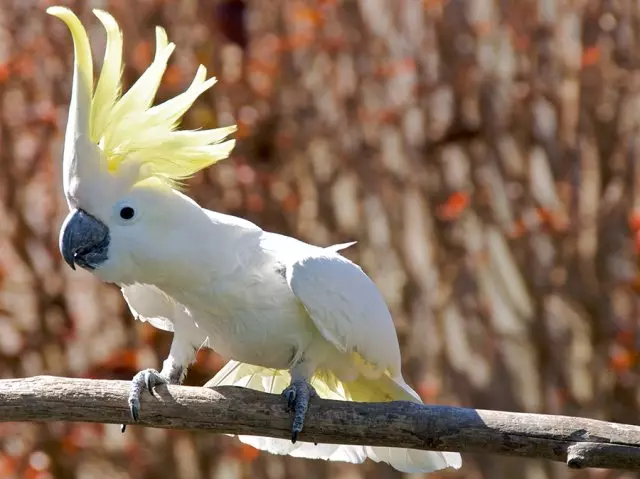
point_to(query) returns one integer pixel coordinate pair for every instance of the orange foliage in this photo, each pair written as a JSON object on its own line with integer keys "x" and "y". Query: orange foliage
{"x": 172, "y": 77}
{"x": 555, "y": 221}
{"x": 387, "y": 115}
{"x": 69, "y": 444}
{"x": 210, "y": 361}
{"x": 636, "y": 238}
{"x": 429, "y": 4}
{"x": 4, "y": 73}
{"x": 622, "y": 360}
{"x": 290, "y": 202}
{"x": 521, "y": 41}
{"x": 32, "y": 473}
{"x": 634, "y": 220}
{"x": 122, "y": 359}
{"x": 304, "y": 14}
{"x": 634, "y": 282}
{"x": 142, "y": 55}
{"x": 590, "y": 56}
{"x": 243, "y": 129}
{"x": 23, "y": 65}
{"x": 148, "y": 333}
{"x": 297, "y": 41}
{"x": 127, "y": 358}
{"x": 8, "y": 465}
{"x": 453, "y": 207}
{"x": 245, "y": 453}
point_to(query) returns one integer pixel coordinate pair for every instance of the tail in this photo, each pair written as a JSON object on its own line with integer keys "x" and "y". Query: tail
{"x": 329, "y": 387}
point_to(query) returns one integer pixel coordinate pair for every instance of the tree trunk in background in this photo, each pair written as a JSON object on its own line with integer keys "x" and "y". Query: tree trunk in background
{"x": 484, "y": 154}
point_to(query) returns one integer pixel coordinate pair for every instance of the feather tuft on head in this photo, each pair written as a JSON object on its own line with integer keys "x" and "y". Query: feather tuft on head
{"x": 137, "y": 141}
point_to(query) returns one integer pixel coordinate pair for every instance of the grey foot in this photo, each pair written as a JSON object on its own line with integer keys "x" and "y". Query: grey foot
{"x": 297, "y": 395}
{"x": 144, "y": 380}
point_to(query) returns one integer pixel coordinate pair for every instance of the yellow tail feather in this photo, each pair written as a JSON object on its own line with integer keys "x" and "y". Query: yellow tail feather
{"x": 328, "y": 386}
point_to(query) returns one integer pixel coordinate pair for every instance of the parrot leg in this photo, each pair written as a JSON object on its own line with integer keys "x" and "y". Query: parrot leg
{"x": 298, "y": 395}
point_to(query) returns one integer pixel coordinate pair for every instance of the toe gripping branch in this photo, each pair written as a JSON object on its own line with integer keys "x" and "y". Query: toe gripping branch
{"x": 298, "y": 395}
{"x": 147, "y": 380}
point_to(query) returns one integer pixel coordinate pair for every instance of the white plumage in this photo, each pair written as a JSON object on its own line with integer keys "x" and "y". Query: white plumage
{"x": 287, "y": 315}
{"x": 289, "y": 304}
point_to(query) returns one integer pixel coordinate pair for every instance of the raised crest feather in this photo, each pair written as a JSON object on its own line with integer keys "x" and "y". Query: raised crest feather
{"x": 133, "y": 135}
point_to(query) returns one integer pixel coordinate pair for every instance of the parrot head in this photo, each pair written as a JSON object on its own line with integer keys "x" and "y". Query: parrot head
{"x": 124, "y": 159}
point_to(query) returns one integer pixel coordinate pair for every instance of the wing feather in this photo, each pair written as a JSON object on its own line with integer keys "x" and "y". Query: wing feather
{"x": 346, "y": 307}
{"x": 148, "y": 303}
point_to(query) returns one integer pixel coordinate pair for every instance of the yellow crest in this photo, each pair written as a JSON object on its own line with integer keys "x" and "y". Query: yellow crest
{"x": 133, "y": 135}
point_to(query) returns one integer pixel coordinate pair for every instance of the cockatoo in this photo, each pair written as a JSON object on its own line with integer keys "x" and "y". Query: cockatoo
{"x": 291, "y": 318}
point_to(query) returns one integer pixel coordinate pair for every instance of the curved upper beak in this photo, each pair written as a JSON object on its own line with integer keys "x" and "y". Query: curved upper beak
{"x": 84, "y": 240}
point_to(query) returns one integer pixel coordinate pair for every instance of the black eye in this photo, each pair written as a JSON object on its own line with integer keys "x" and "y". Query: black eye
{"x": 127, "y": 213}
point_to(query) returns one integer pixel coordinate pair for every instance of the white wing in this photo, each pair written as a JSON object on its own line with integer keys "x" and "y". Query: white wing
{"x": 346, "y": 307}
{"x": 349, "y": 311}
{"x": 148, "y": 303}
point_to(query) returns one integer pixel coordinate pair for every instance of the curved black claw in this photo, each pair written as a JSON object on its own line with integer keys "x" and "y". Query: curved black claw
{"x": 147, "y": 380}
{"x": 297, "y": 395}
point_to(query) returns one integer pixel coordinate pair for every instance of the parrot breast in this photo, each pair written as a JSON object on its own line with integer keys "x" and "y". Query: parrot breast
{"x": 252, "y": 318}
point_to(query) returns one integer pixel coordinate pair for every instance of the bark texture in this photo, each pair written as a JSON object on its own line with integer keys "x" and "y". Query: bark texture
{"x": 233, "y": 410}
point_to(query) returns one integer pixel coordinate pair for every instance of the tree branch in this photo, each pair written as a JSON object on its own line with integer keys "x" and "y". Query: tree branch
{"x": 578, "y": 442}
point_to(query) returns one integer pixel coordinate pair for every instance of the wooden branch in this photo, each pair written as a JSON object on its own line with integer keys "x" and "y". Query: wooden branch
{"x": 578, "y": 442}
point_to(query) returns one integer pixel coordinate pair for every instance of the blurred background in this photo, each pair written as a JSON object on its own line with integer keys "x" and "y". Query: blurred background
{"x": 484, "y": 154}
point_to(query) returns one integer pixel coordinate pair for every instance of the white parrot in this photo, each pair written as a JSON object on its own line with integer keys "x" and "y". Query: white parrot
{"x": 292, "y": 318}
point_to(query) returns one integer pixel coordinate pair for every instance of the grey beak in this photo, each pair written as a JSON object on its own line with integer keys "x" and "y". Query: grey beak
{"x": 84, "y": 240}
